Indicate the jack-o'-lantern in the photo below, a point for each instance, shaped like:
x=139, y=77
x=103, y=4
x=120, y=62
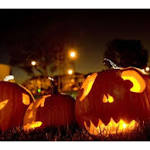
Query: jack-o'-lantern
x=51, y=110
x=113, y=101
x=14, y=100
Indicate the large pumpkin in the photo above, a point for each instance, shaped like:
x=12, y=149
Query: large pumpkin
x=113, y=101
x=14, y=100
x=56, y=110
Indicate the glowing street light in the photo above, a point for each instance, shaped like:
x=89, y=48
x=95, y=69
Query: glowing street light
x=72, y=54
x=147, y=69
x=70, y=71
x=33, y=62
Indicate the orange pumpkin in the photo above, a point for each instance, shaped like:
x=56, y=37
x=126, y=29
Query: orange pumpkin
x=14, y=100
x=113, y=101
x=56, y=110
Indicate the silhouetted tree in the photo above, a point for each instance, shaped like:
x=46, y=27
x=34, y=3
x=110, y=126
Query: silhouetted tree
x=45, y=54
x=126, y=53
x=46, y=44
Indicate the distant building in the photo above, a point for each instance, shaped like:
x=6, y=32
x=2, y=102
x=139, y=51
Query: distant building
x=39, y=85
x=67, y=83
x=4, y=71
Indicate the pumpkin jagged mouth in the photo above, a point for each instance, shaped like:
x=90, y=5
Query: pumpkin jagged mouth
x=32, y=125
x=111, y=128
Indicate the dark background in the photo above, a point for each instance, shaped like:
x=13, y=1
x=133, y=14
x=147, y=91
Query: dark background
x=86, y=30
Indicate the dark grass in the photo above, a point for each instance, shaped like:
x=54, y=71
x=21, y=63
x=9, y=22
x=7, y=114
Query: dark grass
x=72, y=133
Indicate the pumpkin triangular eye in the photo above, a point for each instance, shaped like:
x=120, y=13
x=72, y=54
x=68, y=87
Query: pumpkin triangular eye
x=87, y=85
x=137, y=80
x=3, y=104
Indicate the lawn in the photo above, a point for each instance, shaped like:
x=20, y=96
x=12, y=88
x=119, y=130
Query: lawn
x=72, y=133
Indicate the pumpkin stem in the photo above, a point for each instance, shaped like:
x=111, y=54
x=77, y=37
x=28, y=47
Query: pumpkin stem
x=113, y=65
x=54, y=87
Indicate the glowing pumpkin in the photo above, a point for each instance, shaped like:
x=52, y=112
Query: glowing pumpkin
x=56, y=110
x=113, y=101
x=14, y=100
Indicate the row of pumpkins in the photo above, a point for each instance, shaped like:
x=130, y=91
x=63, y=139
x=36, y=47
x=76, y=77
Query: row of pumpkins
x=108, y=101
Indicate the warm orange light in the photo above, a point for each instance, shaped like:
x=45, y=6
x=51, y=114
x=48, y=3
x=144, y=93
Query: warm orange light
x=138, y=82
x=147, y=69
x=30, y=115
x=33, y=63
x=9, y=78
x=72, y=54
x=70, y=71
x=111, y=128
x=3, y=104
x=124, y=125
x=87, y=85
x=25, y=99
x=42, y=101
x=108, y=99
x=32, y=125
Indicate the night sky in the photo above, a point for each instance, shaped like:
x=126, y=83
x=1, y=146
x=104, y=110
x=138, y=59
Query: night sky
x=87, y=30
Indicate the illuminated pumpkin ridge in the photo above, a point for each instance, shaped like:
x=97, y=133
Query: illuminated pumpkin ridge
x=117, y=95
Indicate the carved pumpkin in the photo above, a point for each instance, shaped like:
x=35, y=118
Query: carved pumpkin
x=14, y=100
x=113, y=101
x=56, y=110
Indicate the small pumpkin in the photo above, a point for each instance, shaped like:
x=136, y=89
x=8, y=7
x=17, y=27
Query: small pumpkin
x=14, y=100
x=113, y=101
x=51, y=110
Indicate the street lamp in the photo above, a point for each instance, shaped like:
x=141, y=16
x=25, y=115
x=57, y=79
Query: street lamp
x=33, y=62
x=70, y=71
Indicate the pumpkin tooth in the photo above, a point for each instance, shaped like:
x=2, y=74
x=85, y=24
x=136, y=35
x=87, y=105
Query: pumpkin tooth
x=86, y=126
x=101, y=126
x=111, y=128
x=92, y=129
x=113, y=123
x=132, y=124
